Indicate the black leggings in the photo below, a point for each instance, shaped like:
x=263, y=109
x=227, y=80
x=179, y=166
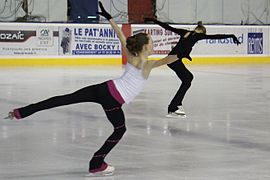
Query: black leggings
x=186, y=77
x=96, y=93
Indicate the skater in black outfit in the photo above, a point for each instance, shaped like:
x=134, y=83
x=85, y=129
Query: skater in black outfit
x=111, y=95
x=183, y=49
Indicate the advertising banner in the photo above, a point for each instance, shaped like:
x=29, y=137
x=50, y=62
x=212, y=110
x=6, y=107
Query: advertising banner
x=91, y=40
x=100, y=40
x=163, y=40
x=257, y=41
x=222, y=47
x=254, y=40
x=26, y=40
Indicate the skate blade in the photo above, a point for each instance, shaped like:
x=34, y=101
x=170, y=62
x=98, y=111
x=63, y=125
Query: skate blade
x=176, y=116
x=9, y=117
x=101, y=174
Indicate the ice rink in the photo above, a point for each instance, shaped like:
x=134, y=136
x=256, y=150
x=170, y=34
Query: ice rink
x=226, y=135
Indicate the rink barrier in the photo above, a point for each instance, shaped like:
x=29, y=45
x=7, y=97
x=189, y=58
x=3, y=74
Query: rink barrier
x=229, y=60
x=27, y=44
x=59, y=61
x=118, y=61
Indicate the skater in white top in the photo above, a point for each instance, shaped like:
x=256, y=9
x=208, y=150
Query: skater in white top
x=111, y=95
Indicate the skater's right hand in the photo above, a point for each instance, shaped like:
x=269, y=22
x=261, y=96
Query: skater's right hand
x=103, y=12
x=235, y=40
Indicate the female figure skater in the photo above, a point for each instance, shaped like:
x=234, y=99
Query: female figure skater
x=111, y=95
x=183, y=49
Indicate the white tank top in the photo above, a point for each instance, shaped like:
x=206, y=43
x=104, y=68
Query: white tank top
x=130, y=83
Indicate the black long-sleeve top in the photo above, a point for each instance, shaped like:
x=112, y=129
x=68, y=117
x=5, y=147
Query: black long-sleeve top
x=185, y=44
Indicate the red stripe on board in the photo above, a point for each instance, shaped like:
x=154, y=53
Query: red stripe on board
x=126, y=28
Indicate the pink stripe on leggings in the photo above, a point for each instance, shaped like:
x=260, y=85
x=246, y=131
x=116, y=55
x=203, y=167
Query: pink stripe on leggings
x=114, y=92
x=17, y=114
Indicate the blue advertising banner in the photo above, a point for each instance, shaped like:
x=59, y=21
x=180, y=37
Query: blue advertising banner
x=255, y=43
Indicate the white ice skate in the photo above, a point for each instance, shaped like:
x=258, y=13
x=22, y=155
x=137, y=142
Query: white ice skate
x=105, y=170
x=179, y=113
x=10, y=116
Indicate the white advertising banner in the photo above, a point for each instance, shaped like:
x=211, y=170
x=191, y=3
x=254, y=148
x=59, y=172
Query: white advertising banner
x=28, y=40
x=254, y=39
x=163, y=40
x=88, y=40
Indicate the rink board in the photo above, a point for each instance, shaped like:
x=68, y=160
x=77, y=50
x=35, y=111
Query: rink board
x=86, y=44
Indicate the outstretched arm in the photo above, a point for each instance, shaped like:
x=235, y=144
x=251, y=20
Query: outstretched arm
x=221, y=36
x=120, y=34
x=116, y=28
x=166, y=26
x=167, y=60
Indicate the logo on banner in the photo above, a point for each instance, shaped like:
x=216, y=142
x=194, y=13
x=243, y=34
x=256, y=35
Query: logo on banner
x=255, y=43
x=15, y=36
x=66, y=40
x=44, y=37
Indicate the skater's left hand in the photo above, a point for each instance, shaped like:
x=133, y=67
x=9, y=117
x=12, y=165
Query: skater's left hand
x=235, y=40
x=104, y=12
x=149, y=19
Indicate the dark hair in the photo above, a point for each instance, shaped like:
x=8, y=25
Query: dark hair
x=135, y=43
x=200, y=26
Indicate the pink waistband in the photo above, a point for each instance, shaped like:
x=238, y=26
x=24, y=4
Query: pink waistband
x=114, y=92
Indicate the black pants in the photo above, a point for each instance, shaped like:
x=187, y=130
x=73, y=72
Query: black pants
x=186, y=77
x=96, y=93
